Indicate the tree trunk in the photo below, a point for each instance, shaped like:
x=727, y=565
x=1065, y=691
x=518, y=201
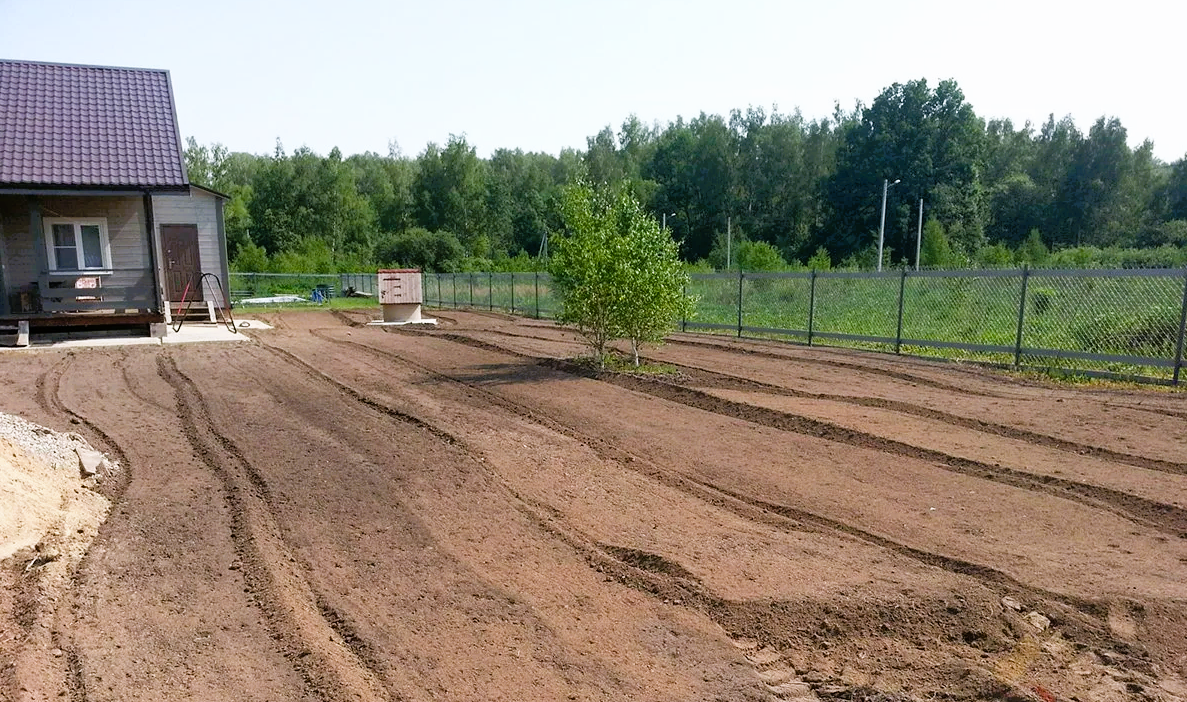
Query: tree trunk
x=635, y=349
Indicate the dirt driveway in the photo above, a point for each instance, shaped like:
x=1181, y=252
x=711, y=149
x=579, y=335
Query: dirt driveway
x=335, y=512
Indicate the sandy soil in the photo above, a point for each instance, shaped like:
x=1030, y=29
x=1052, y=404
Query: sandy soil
x=334, y=512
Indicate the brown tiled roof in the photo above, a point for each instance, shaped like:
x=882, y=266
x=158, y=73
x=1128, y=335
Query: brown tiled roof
x=87, y=126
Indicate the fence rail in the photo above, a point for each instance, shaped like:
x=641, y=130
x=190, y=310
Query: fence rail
x=1110, y=323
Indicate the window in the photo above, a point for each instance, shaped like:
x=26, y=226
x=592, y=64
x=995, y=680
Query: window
x=77, y=244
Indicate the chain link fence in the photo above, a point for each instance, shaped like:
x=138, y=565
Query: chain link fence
x=528, y=294
x=309, y=286
x=1110, y=323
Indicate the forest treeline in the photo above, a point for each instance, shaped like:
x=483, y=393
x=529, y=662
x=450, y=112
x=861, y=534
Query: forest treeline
x=792, y=190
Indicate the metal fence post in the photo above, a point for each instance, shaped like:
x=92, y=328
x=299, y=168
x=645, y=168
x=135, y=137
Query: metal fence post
x=490, y=292
x=537, y=293
x=739, y=302
x=512, y=292
x=454, y=276
x=1021, y=316
x=811, y=305
x=471, y=289
x=898, y=334
x=1182, y=331
x=440, y=296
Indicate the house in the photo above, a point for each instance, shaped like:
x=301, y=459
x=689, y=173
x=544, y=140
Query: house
x=99, y=224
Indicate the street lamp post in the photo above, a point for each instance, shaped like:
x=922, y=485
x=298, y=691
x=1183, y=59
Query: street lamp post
x=665, y=227
x=882, y=227
x=919, y=234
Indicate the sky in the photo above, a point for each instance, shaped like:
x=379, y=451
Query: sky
x=543, y=75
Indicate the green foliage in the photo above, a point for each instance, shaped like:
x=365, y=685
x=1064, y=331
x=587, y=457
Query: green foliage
x=1173, y=233
x=821, y=260
x=1116, y=257
x=790, y=183
x=759, y=256
x=1041, y=300
x=436, y=252
x=934, y=250
x=616, y=273
x=749, y=255
x=1033, y=250
x=250, y=259
x=994, y=256
x=1076, y=257
x=310, y=255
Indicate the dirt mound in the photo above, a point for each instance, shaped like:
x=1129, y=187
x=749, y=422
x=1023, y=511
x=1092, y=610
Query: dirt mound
x=48, y=519
x=48, y=508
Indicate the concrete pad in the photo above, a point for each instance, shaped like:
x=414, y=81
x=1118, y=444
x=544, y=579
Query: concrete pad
x=191, y=332
x=422, y=320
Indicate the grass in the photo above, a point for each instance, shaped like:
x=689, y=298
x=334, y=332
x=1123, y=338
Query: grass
x=1124, y=316
x=624, y=364
x=334, y=303
x=1132, y=316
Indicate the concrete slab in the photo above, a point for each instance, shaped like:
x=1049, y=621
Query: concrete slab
x=191, y=332
x=422, y=320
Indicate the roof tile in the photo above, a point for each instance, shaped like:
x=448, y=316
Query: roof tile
x=87, y=126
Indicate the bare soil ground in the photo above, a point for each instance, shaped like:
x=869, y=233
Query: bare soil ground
x=335, y=512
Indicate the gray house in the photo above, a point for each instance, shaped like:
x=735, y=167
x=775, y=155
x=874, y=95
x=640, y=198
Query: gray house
x=99, y=225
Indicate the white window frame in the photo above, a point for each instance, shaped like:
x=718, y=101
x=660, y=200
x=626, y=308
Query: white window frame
x=77, y=222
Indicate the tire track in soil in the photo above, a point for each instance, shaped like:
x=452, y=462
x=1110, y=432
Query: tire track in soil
x=774, y=514
x=538, y=515
x=1156, y=515
x=751, y=625
x=728, y=381
x=870, y=370
x=1151, y=410
x=334, y=662
x=1163, y=517
x=670, y=582
x=49, y=389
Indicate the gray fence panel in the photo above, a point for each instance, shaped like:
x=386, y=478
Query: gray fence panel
x=1098, y=322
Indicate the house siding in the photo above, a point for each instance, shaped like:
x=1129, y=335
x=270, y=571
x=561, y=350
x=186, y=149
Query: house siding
x=200, y=209
x=130, y=255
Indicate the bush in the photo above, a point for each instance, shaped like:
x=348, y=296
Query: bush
x=438, y=252
x=310, y=255
x=250, y=259
x=995, y=256
x=1032, y=250
x=1041, y=299
x=616, y=273
x=934, y=250
x=820, y=261
x=759, y=256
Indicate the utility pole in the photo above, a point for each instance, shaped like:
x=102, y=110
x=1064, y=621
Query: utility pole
x=729, y=235
x=882, y=227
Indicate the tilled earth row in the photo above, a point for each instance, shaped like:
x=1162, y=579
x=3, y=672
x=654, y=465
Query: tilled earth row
x=340, y=512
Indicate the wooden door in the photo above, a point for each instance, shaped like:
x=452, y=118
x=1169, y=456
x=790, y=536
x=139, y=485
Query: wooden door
x=182, y=265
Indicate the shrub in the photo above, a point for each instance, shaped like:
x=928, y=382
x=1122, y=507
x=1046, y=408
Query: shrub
x=440, y=252
x=821, y=260
x=616, y=273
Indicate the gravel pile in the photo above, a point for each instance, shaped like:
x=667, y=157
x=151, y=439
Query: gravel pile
x=59, y=450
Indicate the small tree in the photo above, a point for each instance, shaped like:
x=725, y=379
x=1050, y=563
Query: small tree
x=935, y=250
x=1033, y=250
x=617, y=274
x=655, y=278
x=821, y=260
